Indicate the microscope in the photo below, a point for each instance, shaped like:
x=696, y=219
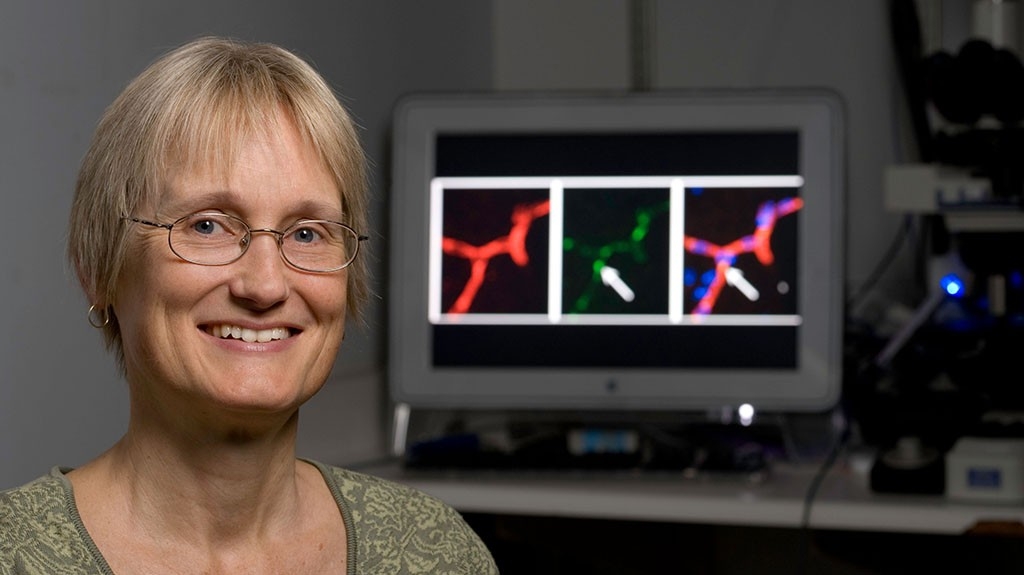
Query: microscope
x=949, y=387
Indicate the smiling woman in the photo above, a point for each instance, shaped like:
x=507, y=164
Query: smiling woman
x=216, y=229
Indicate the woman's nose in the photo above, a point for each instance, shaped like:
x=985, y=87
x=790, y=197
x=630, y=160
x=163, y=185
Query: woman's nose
x=262, y=273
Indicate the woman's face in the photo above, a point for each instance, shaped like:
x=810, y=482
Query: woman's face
x=172, y=312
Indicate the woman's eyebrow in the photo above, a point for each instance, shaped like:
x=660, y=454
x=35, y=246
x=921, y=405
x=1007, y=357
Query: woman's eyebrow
x=317, y=209
x=173, y=205
x=227, y=199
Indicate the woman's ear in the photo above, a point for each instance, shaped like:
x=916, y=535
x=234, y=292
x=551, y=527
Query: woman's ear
x=92, y=294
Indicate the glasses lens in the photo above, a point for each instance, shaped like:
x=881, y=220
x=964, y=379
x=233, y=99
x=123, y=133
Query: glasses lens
x=319, y=245
x=209, y=238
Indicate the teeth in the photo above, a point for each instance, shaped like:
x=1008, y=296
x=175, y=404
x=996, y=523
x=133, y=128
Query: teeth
x=250, y=335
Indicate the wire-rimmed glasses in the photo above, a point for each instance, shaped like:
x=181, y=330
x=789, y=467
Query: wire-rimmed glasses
x=216, y=239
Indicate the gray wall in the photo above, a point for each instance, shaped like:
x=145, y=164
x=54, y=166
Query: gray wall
x=61, y=401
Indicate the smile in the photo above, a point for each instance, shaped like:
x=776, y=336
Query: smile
x=226, y=331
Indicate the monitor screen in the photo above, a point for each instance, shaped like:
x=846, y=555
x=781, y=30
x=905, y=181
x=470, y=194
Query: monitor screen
x=664, y=251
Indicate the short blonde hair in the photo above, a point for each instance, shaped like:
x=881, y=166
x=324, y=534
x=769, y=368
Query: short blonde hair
x=185, y=109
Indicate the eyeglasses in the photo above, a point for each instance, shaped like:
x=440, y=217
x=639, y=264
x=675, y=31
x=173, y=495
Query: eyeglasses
x=216, y=239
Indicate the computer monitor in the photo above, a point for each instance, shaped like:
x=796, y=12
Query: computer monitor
x=634, y=251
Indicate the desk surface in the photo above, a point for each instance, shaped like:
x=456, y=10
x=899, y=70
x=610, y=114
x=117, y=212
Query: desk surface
x=844, y=500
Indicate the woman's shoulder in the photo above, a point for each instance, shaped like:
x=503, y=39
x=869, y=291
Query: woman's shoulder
x=401, y=529
x=29, y=503
x=37, y=529
x=362, y=489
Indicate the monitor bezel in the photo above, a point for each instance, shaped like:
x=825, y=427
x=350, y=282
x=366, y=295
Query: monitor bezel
x=815, y=385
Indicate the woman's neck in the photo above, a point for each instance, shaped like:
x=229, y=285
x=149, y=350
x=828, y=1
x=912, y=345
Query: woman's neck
x=223, y=505
x=211, y=486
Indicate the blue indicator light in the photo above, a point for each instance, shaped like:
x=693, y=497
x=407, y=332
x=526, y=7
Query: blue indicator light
x=952, y=285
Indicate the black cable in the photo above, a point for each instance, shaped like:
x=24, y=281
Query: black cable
x=641, y=60
x=883, y=264
x=905, y=28
x=812, y=492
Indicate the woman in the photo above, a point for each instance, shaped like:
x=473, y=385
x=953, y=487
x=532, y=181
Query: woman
x=215, y=230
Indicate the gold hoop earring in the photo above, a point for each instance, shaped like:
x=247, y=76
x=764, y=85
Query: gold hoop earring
x=98, y=317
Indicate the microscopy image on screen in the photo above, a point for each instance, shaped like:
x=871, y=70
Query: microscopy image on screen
x=741, y=251
x=615, y=244
x=495, y=251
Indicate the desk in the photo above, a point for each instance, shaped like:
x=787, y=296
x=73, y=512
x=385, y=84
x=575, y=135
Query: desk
x=844, y=500
x=720, y=526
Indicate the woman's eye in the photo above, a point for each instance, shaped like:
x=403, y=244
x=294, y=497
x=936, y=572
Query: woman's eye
x=214, y=225
x=305, y=235
x=205, y=227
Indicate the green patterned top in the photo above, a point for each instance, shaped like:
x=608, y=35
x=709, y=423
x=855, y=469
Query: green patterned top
x=392, y=529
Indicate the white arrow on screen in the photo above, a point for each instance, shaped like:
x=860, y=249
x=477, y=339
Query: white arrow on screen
x=734, y=277
x=610, y=277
